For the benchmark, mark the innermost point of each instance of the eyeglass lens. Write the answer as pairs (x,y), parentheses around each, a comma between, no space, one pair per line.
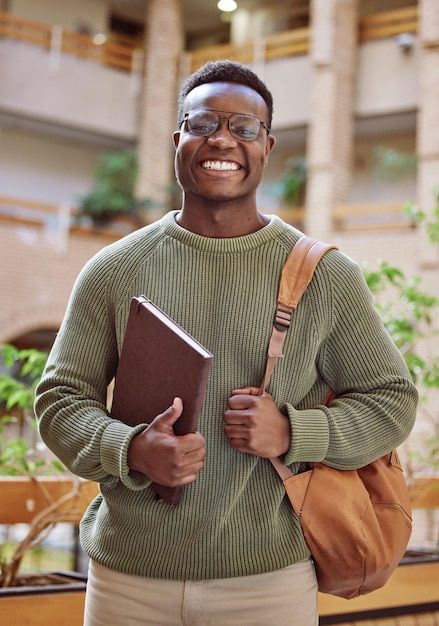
(206,123)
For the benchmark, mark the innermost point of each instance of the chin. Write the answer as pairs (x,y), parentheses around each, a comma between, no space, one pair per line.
(221,197)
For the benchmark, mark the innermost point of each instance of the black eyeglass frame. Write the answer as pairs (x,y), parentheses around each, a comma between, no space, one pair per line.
(228,118)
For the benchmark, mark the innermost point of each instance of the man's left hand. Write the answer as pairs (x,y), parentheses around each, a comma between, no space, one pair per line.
(254,424)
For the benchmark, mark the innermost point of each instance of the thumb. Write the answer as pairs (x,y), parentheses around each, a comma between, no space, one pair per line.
(171,415)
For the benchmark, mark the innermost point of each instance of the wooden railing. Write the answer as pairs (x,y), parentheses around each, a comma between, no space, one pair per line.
(124,52)
(289,43)
(371,216)
(122,55)
(348,218)
(36,215)
(297,42)
(388,24)
(383,216)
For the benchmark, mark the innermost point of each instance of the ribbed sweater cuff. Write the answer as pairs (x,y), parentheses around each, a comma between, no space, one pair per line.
(309,435)
(114,451)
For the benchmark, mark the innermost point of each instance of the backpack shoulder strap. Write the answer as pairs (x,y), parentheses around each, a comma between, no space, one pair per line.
(299,269)
(296,275)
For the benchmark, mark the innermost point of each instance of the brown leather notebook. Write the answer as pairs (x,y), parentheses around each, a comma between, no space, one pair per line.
(158,362)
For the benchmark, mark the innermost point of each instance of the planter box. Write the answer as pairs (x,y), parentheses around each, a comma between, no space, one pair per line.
(21,497)
(60,603)
(413,590)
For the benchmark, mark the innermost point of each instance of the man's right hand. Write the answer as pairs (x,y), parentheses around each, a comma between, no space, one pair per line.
(164,457)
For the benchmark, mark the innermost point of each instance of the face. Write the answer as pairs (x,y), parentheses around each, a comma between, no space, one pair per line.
(221,167)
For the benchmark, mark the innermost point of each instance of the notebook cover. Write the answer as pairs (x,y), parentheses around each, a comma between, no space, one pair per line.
(159,361)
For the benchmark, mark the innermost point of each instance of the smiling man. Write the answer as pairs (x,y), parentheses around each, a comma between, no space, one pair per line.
(232,551)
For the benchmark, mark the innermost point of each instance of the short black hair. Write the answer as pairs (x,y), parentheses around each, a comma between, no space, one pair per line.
(225,71)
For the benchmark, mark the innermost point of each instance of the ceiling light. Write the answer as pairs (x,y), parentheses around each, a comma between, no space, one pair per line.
(227,5)
(99,39)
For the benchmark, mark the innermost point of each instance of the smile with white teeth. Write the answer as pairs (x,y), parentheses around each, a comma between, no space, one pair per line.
(220,165)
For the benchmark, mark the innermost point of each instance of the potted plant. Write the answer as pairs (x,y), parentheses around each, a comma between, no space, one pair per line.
(35,489)
(113,193)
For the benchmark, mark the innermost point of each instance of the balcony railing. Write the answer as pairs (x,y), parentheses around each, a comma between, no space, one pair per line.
(371,217)
(289,43)
(60,220)
(297,42)
(121,54)
(388,24)
(125,54)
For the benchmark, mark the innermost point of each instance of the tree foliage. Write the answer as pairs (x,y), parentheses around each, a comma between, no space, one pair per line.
(18,454)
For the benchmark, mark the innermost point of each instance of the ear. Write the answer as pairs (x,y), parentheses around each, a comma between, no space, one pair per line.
(176,138)
(271,142)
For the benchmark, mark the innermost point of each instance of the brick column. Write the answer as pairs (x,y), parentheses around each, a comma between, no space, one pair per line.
(428,120)
(158,107)
(333,55)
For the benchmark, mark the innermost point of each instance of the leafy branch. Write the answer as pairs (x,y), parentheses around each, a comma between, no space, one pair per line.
(409,314)
(18,456)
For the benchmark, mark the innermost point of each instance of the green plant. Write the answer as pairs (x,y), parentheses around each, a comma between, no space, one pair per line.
(113,192)
(394,164)
(417,215)
(18,455)
(292,185)
(22,455)
(410,315)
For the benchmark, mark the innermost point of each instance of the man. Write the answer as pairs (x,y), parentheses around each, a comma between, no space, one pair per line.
(232,551)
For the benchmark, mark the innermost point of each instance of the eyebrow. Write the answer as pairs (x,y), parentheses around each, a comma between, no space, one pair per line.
(220,111)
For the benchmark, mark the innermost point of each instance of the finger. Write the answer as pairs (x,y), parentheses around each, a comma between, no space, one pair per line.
(240,402)
(194,456)
(236,432)
(248,391)
(172,413)
(240,445)
(239,417)
(191,442)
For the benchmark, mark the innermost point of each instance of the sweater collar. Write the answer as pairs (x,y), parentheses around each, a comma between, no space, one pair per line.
(224,244)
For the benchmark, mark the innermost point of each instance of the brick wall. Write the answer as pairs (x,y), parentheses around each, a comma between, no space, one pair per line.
(333,55)
(158,113)
(36,278)
(428,118)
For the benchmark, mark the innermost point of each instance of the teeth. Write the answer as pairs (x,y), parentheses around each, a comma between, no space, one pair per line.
(220,165)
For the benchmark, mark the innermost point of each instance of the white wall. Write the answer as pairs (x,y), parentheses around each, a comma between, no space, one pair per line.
(386,82)
(77,93)
(289,79)
(259,21)
(387,78)
(69,13)
(45,169)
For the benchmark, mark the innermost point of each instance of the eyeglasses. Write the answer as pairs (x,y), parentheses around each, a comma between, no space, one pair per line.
(205,123)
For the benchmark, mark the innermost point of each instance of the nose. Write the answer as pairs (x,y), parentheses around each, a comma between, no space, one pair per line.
(222,138)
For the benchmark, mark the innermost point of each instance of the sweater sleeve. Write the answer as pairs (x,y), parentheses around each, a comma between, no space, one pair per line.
(376,401)
(71,398)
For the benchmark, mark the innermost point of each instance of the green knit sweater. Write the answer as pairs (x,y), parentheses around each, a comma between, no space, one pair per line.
(234,519)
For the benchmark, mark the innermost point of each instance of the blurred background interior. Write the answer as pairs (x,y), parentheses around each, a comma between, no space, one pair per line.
(88,105)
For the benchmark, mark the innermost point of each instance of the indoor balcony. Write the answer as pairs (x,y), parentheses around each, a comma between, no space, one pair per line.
(78,85)
(386,72)
(91,85)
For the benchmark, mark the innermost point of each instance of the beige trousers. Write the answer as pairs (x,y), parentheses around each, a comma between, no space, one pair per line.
(286,597)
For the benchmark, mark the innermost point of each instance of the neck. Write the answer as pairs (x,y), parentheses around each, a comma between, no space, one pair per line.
(221,220)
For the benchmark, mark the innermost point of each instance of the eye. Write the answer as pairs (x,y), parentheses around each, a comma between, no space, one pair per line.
(201,124)
(245,128)
(245,132)
(200,127)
